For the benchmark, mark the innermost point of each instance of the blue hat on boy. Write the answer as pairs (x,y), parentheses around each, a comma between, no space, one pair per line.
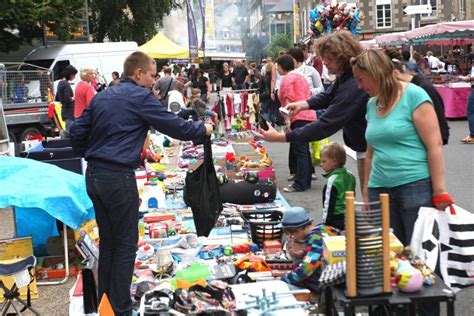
(295,217)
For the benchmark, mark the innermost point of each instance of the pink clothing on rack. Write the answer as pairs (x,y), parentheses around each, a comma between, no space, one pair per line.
(293,87)
(243,106)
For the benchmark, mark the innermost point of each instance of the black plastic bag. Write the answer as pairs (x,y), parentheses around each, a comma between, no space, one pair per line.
(201,193)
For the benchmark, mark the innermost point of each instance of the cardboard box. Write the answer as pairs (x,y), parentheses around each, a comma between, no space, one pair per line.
(53,268)
(271,247)
(16,248)
(334,247)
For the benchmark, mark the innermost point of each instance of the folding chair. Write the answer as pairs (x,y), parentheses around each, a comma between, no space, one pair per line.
(10,295)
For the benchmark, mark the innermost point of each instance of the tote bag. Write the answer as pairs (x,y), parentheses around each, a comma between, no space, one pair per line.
(201,193)
(448,238)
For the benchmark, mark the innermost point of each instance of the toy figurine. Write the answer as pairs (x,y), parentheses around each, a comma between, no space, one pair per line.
(407,277)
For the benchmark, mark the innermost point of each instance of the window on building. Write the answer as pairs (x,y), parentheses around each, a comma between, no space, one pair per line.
(434,7)
(280,28)
(383,13)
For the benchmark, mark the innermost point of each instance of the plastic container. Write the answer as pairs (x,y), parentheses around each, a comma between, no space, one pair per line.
(153,197)
(197,273)
(263,225)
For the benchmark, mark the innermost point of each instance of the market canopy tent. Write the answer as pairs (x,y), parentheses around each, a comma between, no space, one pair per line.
(369,44)
(395,39)
(446,33)
(161,47)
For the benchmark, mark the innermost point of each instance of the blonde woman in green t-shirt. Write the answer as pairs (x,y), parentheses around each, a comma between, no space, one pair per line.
(404,153)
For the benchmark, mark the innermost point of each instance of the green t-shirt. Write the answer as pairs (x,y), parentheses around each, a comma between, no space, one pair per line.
(399,155)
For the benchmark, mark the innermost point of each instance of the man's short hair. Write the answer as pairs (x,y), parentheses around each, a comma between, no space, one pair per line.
(179,86)
(406,55)
(137,60)
(297,53)
(334,151)
(167,70)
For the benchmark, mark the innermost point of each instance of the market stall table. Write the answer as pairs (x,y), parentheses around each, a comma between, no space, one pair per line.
(435,294)
(455,100)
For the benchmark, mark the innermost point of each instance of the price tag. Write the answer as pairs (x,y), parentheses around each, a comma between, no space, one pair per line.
(22,278)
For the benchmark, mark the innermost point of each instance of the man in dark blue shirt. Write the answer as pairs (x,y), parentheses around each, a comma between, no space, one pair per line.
(344,102)
(110,135)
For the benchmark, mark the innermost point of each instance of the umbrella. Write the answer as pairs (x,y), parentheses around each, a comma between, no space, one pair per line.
(396,39)
(445,33)
(369,44)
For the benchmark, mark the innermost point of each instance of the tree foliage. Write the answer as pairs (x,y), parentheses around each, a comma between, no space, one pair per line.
(279,42)
(128,20)
(23,20)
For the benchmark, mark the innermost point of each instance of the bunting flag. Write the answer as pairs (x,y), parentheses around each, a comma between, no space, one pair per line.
(192,32)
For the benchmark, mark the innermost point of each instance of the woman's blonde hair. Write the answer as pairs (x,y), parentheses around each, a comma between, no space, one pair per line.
(85,71)
(379,68)
(341,45)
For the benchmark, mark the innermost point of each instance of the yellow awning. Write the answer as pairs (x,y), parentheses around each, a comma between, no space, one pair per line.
(161,47)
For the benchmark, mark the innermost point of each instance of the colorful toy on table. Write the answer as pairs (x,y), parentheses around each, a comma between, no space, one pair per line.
(230,160)
(158,230)
(210,252)
(271,247)
(252,263)
(158,217)
(247,163)
(145,252)
(196,273)
(408,278)
(153,197)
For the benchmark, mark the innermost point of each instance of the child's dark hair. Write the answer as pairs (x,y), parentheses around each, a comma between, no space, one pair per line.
(335,151)
(286,62)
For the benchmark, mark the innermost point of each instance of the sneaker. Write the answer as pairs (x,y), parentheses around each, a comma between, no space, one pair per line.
(314,177)
(291,177)
(291,189)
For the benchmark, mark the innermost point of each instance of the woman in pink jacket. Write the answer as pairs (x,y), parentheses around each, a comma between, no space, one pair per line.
(294,88)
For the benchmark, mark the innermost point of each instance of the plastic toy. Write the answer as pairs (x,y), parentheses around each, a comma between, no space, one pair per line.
(407,277)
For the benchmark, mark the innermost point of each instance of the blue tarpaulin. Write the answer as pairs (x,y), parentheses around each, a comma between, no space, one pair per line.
(42,193)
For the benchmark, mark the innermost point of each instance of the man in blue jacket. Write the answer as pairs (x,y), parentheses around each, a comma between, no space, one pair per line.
(110,135)
(344,102)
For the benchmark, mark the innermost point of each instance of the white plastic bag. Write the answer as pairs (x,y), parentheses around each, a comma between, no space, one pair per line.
(448,238)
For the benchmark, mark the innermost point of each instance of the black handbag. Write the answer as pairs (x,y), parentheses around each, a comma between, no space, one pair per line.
(201,193)
(245,192)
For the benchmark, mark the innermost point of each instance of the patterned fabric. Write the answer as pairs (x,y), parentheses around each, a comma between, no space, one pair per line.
(311,262)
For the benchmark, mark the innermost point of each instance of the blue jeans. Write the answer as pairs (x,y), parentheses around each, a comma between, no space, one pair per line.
(405,201)
(300,152)
(470,112)
(115,198)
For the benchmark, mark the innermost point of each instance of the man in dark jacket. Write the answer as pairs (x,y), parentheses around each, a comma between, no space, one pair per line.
(344,102)
(110,135)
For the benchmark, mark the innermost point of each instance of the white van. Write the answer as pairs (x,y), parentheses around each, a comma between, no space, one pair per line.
(104,57)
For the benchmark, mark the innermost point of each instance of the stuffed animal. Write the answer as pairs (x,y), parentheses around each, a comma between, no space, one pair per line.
(407,277)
